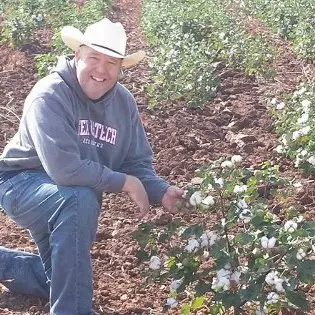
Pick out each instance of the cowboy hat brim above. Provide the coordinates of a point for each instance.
(74, 38)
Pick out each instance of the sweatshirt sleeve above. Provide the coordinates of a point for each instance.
(139, 161)
(50, 130)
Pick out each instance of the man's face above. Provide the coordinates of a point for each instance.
(97, 73)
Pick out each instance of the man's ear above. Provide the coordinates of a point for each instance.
(121, 74)
(76, 56)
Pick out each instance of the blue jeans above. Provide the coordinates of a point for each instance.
(62, 221)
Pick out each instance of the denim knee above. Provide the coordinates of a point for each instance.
(80, 205)
(89, 203)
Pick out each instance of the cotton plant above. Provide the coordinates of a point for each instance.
(293, 20)
(294, 116)
(177, 31)
(243, 256)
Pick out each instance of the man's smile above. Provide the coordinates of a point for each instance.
(97, 79)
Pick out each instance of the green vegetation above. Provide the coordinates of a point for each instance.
(189, 38)
(292, 19)
(294, 115)
(243, 257)
(23, 17)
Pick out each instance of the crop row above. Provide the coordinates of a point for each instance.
(291, 19)
(189, 39)
(22, 18)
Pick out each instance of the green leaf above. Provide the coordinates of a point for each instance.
(298, 298)
(291, 259)
(171, 262)
(185, 309)
(220, 254)
(217, 309)
(306, 271)
(173, 226)
(193, 230)
(197, 303)
(143, 234)
(202, 287)
(228, 299)
(253, 291)
(309, 227)
(243, 238)
(142, 255)
(163, 237)
(175, 251)
(258, 221)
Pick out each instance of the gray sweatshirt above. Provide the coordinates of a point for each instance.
(82, 142)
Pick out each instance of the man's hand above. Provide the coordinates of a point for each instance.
(172, 196)
(134, 188)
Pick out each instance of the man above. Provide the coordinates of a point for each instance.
(80, 135)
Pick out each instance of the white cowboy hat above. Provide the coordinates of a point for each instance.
(105, 37)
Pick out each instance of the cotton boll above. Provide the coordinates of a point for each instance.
(227, 164)
(222, 283)
(209, 201)
(236, 159)
(271, 277)
(279, 285)
(235, 276)
(268, 242)
(300, 255)
(155, 263)
(171, 302)
(279, 149)
(311, 160)
(290, 226)
(208, 238)
(192, 246)
(280, 106)
(238, 189)
(306, 105)
(261, 310)
(222, 273)
(246, 216)
(219, 181)
(272, 298)
(195, 199)
(176, 284)
(272, 242)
